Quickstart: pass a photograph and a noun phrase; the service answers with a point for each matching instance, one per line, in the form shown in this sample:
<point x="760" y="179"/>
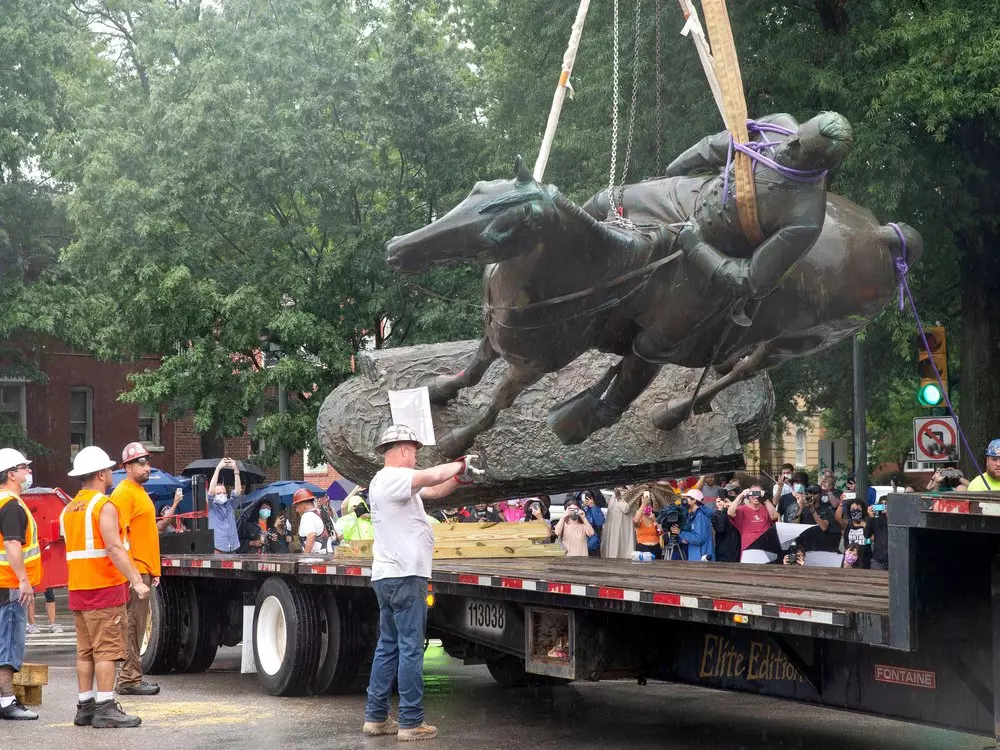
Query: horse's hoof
<point x="572" y="421"/>
<point x="443" y="389"/>
<point x="456" y="443"/>
<point x="667" y="416"/>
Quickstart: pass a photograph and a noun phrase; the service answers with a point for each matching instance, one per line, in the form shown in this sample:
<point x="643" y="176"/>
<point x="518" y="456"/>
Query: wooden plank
<point x="29" y="695"/>
<point x="444" y="552"/>
<point x="32" y="675"/>
<point x="467" y="532"/>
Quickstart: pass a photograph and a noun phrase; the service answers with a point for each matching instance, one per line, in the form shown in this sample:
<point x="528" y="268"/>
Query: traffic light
<point x="929" y="393"/>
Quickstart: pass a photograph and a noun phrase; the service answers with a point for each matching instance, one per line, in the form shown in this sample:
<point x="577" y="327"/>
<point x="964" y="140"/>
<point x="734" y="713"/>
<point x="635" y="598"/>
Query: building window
<point x="800" y="447"/>
<point x="257" y="445"/>
<point x="149" y="426"/>
<point x="319" y="467"/>
<point x="12" y="403"/>
<point x="81" y="420"/>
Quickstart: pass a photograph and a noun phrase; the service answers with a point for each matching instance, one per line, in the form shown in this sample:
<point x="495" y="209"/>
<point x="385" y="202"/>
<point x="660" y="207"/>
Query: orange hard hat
<point x="302" y="496"/>
<point x="132" y="451"/>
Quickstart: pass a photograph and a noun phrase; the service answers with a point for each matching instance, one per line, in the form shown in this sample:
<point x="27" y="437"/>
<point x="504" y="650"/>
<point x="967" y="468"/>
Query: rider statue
<point x="791" y="163"/>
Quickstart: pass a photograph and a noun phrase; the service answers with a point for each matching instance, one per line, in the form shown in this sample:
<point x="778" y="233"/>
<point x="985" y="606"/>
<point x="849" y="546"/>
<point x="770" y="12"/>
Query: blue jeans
<point x="13" y="626"/>
<point x="402" y="623"/>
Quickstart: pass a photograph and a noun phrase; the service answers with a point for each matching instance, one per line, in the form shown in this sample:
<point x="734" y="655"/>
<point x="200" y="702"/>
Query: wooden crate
<point x="32" y="675"/>
<point x="477" y="540"/>
<point x="29" y="695"/>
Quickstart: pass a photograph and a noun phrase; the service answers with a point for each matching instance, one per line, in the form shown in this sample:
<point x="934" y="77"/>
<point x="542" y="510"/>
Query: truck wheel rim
<point x="271" y="635"/>
<point x="147" y="633"/>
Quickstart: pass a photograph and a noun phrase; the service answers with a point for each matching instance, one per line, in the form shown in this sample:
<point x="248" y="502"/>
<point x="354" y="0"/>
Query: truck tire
<point x="508" y="671"/>
<point x="346" y="629"/>
<point x="285" y="638"/>
<point x="197" y="652"/>
<point x="159" y="643"/>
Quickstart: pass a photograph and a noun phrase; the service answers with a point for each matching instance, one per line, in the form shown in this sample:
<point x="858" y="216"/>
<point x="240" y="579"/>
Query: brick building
<point x="78" y="406"/>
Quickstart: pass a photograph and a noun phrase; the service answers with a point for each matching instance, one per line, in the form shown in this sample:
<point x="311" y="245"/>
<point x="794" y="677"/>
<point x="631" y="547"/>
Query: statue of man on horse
<point x="677" y="282"/>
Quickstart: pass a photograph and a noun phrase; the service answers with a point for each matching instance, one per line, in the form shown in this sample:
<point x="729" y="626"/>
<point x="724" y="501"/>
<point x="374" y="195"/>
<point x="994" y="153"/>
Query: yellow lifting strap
<point x="724" y="65"/>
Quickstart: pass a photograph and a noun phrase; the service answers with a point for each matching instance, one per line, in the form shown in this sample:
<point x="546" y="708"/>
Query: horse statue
<point x="559" y="280"/>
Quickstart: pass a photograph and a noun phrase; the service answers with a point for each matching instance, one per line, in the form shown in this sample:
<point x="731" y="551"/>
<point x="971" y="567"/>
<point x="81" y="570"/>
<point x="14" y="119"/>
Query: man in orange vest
<point x="100" y="571"/>
<point x="20" y="573"/>
<point x="138" y="516"/>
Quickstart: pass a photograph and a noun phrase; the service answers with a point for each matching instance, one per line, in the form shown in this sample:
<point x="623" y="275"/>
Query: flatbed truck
<point x="919" y="642"/>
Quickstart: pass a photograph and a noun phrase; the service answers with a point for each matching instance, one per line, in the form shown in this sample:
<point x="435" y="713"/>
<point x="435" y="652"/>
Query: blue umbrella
<point x="161" y="486"/>
<point x="283" y="491"/>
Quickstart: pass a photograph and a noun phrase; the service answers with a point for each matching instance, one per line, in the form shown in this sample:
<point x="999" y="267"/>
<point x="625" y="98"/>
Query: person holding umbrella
<point x="221" y="508"/>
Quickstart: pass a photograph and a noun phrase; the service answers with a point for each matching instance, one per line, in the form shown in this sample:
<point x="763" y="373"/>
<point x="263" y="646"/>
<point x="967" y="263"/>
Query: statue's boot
<point x="723" y="275"/>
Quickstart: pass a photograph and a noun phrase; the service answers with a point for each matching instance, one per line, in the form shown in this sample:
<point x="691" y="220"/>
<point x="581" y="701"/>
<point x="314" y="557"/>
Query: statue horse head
<point x="498" y="221"/>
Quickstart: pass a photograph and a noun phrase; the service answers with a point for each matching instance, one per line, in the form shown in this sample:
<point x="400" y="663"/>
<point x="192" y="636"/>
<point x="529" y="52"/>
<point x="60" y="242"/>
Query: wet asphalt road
<point x="224" y="709"/>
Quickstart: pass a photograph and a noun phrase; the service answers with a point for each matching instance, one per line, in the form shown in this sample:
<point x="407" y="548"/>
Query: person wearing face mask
<point x="852" y="557"/>
<point x="222" y="507"/>
<point x="854" y="532"/>
<point x="255" y="527"/>
<point x="20" y="573"/>
<point x="647" y="535"/>
<point x="574" y="530"/>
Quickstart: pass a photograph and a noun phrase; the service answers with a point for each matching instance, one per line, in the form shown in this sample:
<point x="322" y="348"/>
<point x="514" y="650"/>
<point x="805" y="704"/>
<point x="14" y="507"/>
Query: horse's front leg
<point x="667" y="416"/>
<point x="514" y="381"/>
<point x="446" y="387"/>
<point x="603" y="404"/>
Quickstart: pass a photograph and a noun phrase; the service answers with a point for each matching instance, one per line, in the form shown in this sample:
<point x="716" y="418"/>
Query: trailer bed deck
<point x="847" y="605"/>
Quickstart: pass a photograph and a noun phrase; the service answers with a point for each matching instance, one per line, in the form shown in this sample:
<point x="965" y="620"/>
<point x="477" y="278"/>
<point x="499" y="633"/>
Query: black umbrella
<point x="248" y="472"/>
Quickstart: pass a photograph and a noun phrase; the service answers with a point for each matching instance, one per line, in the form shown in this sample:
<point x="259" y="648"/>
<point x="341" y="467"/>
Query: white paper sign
<point x="412" y="408"/>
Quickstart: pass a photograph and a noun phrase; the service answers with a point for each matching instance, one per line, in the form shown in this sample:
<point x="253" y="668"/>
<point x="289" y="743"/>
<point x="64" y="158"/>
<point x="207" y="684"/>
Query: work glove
<point x="470" y="471"/>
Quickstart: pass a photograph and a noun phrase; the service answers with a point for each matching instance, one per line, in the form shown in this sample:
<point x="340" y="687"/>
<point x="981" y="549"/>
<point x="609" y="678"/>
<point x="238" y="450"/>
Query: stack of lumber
<point x="456" y="541"/>
<point x="29" y="681"/>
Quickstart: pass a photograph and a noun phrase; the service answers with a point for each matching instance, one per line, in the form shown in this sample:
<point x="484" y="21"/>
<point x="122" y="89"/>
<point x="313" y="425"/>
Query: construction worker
<point x="20" y="573"/>
<point x="138" y="516"/>
<point x="989" y="480"/>
<point x="317" y="537"/>
<point x="100" y="571"/>
<point x="355" y="522"/>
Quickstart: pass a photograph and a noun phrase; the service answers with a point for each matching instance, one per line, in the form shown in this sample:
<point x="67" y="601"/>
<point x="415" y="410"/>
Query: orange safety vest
<point x="31" y="553"/>
<point x="86" y="555"/>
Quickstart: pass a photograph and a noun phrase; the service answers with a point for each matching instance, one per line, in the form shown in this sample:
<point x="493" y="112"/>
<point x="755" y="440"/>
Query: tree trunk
<point x="980" y="353"/>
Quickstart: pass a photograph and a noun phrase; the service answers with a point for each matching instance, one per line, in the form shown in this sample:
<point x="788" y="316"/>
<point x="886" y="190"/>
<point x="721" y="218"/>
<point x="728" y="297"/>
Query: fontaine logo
<point x="761" y="662"/>
<point x="919" y="678"/>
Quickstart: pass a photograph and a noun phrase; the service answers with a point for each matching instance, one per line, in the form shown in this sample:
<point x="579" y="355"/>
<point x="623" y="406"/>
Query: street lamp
<point x="274" y="354"/>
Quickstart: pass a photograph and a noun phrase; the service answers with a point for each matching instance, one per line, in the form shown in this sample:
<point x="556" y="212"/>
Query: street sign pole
<point x="860" y="429"/>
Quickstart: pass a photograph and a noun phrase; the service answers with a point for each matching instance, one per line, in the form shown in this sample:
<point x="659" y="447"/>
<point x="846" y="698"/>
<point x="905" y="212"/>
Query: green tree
<point x="239" y="167"/>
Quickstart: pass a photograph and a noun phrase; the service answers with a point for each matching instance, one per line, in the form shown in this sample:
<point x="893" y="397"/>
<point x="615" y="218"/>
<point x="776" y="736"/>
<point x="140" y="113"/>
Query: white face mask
<point x="220" y="498"/>
<point x="512" y="503"/>
<point x="27" y="483"/>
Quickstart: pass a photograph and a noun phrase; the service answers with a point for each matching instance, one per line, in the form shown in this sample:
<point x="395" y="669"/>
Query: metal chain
<point x="659" y="94"/>
<point x="635" y="93"/>
<point x="614" y="112"/>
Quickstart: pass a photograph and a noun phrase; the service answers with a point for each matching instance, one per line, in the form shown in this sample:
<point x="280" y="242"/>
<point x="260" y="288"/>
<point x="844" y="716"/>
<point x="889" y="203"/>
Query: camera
<point x="755" y="493"/>
<point x="878" y="508"/>
<point x="792" y="557"/>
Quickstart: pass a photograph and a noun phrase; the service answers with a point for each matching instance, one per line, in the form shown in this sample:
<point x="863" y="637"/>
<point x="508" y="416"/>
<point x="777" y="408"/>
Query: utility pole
<point x="860" y="428"/>
<point x="284" y="471"/>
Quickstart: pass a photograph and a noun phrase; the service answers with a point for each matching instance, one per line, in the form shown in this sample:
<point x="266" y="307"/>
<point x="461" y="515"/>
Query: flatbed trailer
<point x="919" y="643"/>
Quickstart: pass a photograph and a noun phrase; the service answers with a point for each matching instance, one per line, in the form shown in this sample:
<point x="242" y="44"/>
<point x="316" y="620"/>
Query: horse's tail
<point x="906" y="243"/>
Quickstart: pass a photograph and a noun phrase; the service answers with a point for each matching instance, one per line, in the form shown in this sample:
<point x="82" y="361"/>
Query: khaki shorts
<point x="101" y="634"/>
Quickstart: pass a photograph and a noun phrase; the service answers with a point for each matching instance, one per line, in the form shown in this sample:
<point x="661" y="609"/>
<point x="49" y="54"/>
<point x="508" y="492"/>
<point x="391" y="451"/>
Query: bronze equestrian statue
<point x="656" y="288"/>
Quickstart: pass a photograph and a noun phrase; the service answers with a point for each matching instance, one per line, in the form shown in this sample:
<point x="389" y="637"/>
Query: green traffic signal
<point x="930" y="395"/>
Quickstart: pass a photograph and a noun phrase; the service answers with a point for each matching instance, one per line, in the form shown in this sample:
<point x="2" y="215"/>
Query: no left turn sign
<point x="935" y="439"/>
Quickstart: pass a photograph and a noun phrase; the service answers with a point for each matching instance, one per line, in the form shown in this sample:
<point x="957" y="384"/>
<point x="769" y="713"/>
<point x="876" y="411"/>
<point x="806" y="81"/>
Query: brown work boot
<point x="85" y="712"/>
<point x="375" y="728"/>
<point x="109" y="715"/>
<point x="424" y="732"/>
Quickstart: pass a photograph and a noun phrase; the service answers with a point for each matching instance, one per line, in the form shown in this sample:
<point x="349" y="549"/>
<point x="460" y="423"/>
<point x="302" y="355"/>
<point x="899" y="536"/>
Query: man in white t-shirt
<point x="403" y="551"/>
<point x="312" y="531"/>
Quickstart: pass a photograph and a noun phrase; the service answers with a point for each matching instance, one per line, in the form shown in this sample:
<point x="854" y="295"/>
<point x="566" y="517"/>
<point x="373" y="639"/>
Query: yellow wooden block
<point x="32" y="674"/>
<point x="29" y="695"/>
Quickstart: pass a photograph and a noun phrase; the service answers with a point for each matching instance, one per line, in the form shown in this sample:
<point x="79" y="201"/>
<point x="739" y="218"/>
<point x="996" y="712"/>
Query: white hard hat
<point x="90" y="461"/>
<point x="9" y="458"/>
<point x="397" y="433"/>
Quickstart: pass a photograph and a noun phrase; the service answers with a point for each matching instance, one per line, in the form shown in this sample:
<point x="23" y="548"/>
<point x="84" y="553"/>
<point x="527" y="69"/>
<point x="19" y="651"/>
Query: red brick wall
<point x="114" y="424"/>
